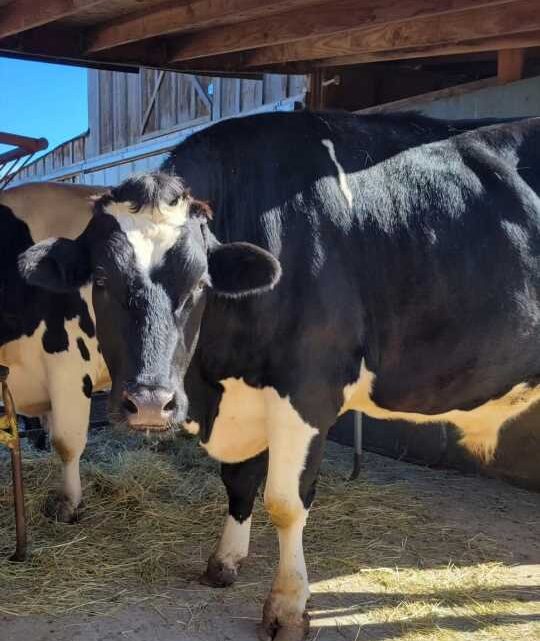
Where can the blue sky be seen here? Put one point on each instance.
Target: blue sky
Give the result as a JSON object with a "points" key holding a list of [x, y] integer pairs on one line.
{"points": [[41, 99]]}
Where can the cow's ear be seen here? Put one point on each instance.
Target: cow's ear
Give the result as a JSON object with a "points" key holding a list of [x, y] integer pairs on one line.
{"points": [[242, 269], [56, 264]]}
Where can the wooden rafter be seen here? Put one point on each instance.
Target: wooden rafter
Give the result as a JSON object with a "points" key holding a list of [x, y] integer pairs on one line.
{"points": [[242, 37], [433, 32], [175, 17], [498, 43], [66, 45], [22, 15], [316, 21]]}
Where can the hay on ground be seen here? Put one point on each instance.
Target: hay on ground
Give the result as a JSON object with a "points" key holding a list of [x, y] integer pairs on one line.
{"points": [[151, 518]]}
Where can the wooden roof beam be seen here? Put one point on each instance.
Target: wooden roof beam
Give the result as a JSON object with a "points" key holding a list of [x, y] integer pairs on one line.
{"points": [[22, 15], [330, 18], [519, 16], [494, 44], [66, 47], [189, 15]]}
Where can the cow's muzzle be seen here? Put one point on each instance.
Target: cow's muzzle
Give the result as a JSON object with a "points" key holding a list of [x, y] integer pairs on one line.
{"points": [[149, 408]]}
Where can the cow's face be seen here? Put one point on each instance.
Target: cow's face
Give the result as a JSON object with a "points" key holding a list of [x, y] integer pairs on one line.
{"points": [[153, 263]]}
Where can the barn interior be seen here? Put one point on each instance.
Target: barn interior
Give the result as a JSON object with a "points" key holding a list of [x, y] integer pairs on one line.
{"points": [[159, 71]]}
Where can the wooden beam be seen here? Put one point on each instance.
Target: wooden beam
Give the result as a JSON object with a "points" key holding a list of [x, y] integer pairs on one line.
{"points": [[66, 45], [510, 64], [175, 17], [518, 40], [320, 20], [22, 15], [433, 32]]}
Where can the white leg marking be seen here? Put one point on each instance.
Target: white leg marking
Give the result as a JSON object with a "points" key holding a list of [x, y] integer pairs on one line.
{"points": [[289, 439], [234, 543], [342, 176]]}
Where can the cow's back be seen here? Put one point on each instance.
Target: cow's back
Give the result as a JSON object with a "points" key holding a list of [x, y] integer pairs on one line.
{"points": [[52, 209]]}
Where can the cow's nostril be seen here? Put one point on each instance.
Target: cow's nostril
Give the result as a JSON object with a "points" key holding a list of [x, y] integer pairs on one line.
{"points": [[129, 406], [171, 405]]}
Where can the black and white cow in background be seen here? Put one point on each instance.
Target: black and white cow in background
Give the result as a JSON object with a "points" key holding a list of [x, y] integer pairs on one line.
{"points": [[48, 340], [407, 286]]}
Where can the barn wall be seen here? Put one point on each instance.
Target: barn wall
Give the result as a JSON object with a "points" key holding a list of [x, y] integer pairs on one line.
{"points": [[520, 98], [128, 110]]}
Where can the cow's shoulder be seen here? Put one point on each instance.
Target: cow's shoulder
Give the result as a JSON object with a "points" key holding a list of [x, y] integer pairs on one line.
{"points": [[52, 209]]}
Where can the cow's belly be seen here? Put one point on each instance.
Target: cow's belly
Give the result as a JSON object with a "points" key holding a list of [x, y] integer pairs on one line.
{"points": [[27, 374], [479, 427], [239, 431]]}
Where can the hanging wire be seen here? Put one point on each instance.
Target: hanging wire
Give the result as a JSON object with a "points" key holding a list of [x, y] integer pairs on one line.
{"points": [[11, 172]]}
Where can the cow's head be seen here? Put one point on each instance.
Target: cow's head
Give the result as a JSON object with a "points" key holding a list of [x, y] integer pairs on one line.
{"points": [[153, 262]]}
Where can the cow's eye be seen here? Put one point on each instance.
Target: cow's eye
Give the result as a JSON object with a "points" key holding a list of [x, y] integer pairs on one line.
{"points": [[201, 285], [100, 281]]}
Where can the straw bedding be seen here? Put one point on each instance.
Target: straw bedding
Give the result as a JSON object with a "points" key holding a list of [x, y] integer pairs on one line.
{"points": [[153, 513]]}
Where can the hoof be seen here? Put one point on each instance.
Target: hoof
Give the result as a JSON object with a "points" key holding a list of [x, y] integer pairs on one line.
{"points": [[218, 575], [59, 508], [272, 629]]}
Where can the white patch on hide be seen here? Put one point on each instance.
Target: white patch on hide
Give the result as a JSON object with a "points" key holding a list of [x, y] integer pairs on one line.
{"points": [[191, 427], [479, 427], [342, 176], [239, 429]]}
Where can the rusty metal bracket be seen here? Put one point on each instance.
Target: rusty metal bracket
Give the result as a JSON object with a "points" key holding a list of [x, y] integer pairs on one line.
{"points": [[9, 437]]}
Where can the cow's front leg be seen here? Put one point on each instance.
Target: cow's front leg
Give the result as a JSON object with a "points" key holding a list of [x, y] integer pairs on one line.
{"points": [[242, 481], [68, 430], [295, 452]]}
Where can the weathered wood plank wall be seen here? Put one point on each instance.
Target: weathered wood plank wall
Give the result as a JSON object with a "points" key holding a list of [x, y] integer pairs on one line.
{"points": [[118, 102]]}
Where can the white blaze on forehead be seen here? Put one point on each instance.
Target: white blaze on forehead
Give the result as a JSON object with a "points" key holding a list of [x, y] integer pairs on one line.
{"points": [[152, 231], [342, 176]]}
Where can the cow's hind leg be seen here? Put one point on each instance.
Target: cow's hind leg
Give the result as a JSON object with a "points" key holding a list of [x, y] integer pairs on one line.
{"points": [[242, 481], [68, 430], [295, 453]]}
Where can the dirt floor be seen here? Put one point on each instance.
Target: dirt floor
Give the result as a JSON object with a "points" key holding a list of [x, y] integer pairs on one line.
{"points": [[404, 553]]}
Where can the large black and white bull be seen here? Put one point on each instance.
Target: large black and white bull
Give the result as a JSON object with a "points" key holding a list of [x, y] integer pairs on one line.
{"points": [[48, 339], [408, 285]]}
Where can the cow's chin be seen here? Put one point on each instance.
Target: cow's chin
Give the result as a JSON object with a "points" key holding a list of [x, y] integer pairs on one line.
{"points": [[142, 427], [119, 420]]}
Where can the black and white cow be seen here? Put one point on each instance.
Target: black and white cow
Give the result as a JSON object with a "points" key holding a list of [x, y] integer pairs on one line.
{"points": [[48, 340], [408, 285]]}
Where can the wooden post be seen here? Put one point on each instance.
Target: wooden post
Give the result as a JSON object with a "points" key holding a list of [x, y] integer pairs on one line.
{"points": [[216, 99], [357, 460], [510, 64], [315, 95]]}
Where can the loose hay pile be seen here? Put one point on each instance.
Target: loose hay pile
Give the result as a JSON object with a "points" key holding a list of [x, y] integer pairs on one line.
{"points": [[151, 518]]}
